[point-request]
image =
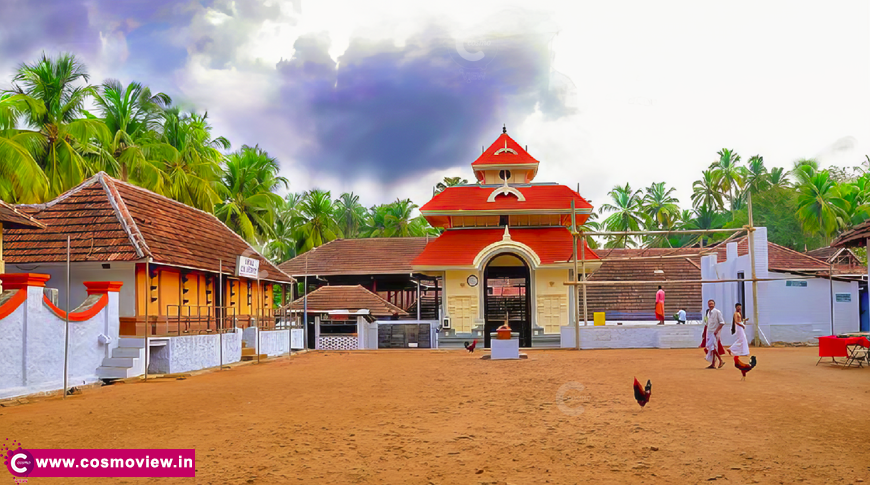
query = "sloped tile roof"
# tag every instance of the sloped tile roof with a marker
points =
(473, 198)
(493, 155)
(637, 301)
(459, 247)
(13, 218)
(855, 237)
(110, 220)
(351, 298)
(779, 258)
(370, 256)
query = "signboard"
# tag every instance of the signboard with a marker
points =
(844, 297)
(247, 267)
(797, 283)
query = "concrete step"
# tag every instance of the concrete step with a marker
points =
(111, 372)
(119, 361)
(248, 358)
(248, 351)
(126, 352)
(138, 343)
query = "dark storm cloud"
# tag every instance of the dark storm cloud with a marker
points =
(400, 112)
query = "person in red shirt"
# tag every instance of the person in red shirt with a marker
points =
(660, 306)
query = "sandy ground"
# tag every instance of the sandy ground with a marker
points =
(423, 417)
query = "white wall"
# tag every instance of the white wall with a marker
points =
(195, 352)
(271, 342)
(124, 272)
(32, 346)
(785, 313)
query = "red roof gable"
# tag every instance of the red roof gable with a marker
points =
(473, 198)
(499, 153)
(459, 247)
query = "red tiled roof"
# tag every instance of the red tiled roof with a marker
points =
(351, 298)
(855, 237)
(358, 257)
(110, 220)
(471, 198)
(459, 247)
(637, 301)
(497, 155)
(13, 218)
(779, 258)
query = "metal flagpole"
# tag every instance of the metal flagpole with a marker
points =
(305, 305)
(66, 327)
(220, 291)
(259, 320)
(576, 291)
(583, 270)
(831, 281)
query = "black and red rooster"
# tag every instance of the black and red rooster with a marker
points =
(470, 347)
(642, 394)
(744, 368)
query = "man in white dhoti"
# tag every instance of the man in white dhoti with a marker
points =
(715, 322)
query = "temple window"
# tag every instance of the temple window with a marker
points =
(504, 174)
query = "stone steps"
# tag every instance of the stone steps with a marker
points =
(127, 360)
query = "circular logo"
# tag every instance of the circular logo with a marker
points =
(567, 395)
(20, 462)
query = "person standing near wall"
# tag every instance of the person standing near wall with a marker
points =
(660, 306)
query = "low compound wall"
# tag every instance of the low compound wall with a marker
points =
(32, 335)
(272, 342)
(171, 355)
(643, 336)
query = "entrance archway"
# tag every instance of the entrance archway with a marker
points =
(507, 287)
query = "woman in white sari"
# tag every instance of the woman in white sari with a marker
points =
(738, 328)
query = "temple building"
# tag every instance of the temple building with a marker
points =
(506, 250)
(181, 269)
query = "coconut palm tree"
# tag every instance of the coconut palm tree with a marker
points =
(627, 214)
(66, 147)
(316, 223)
(449, 182)
(729, 173)
(282, 246)
(821, 208)
(21, 178)
(398, 219)
(131, 113)
(660, 205)
(777, 178)
(706, 191)
(250, 178)
(349, 214)
(191, 172)
(757, 176)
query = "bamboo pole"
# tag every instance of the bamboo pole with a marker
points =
(680, 231)
(642, 258)
(583, 260)
(147, 306)
(66, 326)
(831, 286)
(754, 276)
(220, 291)
(575, 292)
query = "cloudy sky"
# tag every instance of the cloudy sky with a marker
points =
(387, 97)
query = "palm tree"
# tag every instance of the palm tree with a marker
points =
(191, 171)
(282, 246)
(250, 177)
(705, 218)
(316, 223)
(821, 209)
(21, 178)
(66, 147)
(706, 192)
(777, 178)
(349, 214)
(728, 172)
(398, 220)
(130, 114)
(660, 205)
(757, 176)
(803, 170)
(449, 182)
(627, 214)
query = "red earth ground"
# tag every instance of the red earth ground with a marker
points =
(430, 416)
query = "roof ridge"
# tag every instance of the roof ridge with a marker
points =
(123, 215)
(60, 198)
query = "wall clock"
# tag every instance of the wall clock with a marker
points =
(472, 280)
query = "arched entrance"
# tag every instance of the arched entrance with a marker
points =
(507, 287)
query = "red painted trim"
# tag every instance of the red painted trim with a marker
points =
(97, 287)
(18, 281)
(13, 303)
(78, 316)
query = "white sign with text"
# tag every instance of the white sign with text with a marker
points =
(247, 267)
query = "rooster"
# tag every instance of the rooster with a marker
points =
(642, 394)
(744, 368)
(470, 348)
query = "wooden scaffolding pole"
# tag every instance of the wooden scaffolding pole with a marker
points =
(680, 231)
(660, 282)
(575, 292)
(583, 260)
(757, 339)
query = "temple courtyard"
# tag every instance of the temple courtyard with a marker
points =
(430, 416)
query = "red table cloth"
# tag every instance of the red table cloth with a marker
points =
(833, 346)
